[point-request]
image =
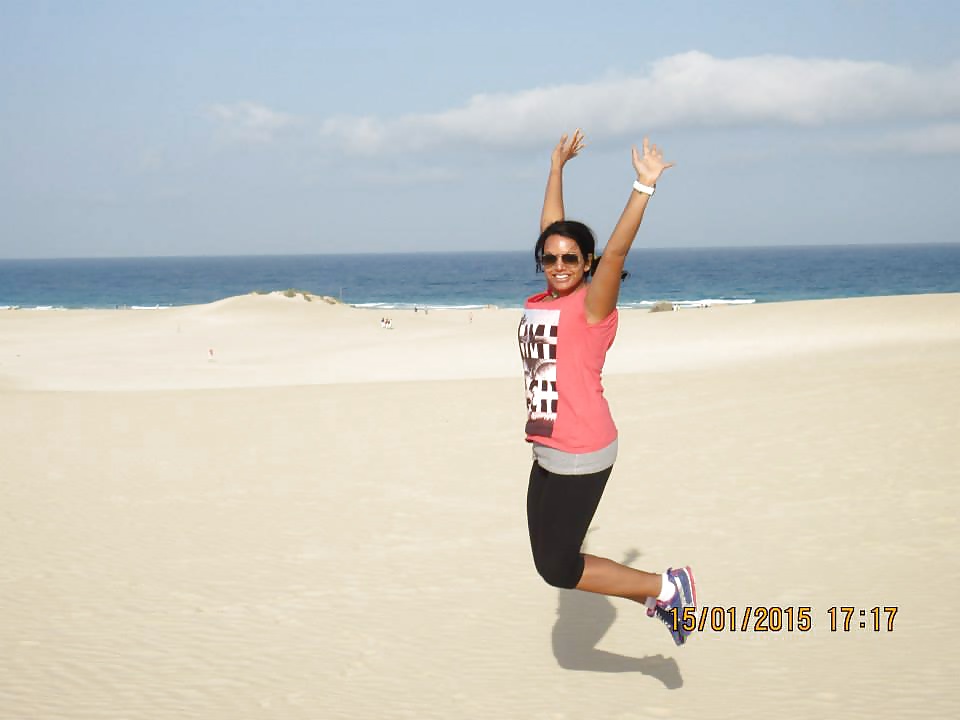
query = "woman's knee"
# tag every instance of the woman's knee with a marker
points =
(560, 570)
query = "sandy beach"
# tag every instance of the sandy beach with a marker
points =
(272, 508)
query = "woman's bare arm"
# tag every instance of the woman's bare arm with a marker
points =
(604, 289)
(553, 199)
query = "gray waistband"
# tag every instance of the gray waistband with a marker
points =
(564, 463)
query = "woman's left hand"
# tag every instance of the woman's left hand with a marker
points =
(650, 164)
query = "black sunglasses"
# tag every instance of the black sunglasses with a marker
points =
(549, 259)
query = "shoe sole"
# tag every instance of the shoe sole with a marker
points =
(679, 638)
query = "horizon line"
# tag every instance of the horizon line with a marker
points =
(468, 252)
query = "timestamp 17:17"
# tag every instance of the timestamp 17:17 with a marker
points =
(841, 618)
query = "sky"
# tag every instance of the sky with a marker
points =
(244, 128)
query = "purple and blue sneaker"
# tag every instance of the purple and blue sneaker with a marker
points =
(671, 613)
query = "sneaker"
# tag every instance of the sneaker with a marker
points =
(671, 613)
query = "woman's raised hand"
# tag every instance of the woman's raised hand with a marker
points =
(566, 149)
(650, 164)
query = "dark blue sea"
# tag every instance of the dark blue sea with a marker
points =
(685, 276)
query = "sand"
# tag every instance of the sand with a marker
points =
(325, 519)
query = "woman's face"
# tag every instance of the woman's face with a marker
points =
(564, 274)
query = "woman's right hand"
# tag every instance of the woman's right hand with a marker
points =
(566, 149)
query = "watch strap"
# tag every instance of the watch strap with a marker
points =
(645, 189)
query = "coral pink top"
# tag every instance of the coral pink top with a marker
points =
(563, 360)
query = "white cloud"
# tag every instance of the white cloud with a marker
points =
(250, 122)
(688, 90)
(691, 89)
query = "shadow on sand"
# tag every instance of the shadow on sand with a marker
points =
(582, 620)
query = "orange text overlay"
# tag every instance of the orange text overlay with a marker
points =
(774, 618)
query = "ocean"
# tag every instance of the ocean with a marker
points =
(686, 276)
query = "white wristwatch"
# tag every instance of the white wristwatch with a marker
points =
(645, 189)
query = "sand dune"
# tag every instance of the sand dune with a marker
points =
(326, 520)
(272, 340)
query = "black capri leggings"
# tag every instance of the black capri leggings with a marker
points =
(559, 511)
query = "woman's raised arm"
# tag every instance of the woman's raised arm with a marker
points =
(553, 199)
(604, 289)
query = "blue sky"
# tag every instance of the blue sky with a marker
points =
(219, 128)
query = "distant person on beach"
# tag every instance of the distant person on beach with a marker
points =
(564, 336)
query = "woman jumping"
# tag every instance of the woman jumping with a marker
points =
(564, 335)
